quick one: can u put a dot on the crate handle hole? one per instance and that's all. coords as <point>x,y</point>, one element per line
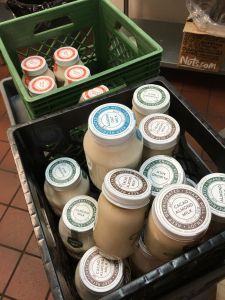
<point>53,24</point>
<point>126,33</point>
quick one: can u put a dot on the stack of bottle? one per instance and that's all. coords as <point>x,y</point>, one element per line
<point>148,211</point>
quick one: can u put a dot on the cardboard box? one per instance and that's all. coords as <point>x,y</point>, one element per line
<point>200,50</point>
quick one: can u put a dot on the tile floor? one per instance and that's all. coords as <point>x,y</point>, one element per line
<point>22,275</point>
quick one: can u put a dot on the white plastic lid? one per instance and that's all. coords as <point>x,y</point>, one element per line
<point>98,274</point>
<point>111,124</point>
<point>66,56</point>
<point>181,213</point>
<point>41,85</point>
<point>159,131</point>
<point>95,92</point>
<point>63,174</point>
<point>212,187</point>
<point>162,170</point>
<point>34,66</point>
<point>151,98</point>
<point>126,188</point>
<point>191,182</point>
<point>76,73</point>
<point>79,214</point>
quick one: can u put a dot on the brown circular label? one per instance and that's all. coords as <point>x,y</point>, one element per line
<point>183,209</point>
<point>99,271</point>
<point>159,128</point>
<point>128,182</point>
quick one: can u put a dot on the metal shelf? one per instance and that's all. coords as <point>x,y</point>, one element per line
<point>169,36</point>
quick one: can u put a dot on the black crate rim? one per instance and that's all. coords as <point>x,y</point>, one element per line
<point>152,277</point>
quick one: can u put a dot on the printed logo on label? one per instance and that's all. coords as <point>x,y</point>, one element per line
<point>139,135</point>
<point>55,67</point>
<point>42,84</point>
<point>74,243</point>
<point>183,209</point>
<point>81,213</point>
<point>27,81</point>
<point>33,63</point>
<point>66,53</point>
<point>99,271</point>
<point>95,92</point>
<point>111,120</point>
<point>128,182</point>
<point>62,171</point>
<point>161,173</point>
<point>76,73</point>
<point>214,191</point>
<point>159,128</point>
<point>151,96</point>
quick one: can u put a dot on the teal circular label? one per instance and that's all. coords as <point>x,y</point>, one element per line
<point>81,213</point>
<point>214,191</point>
<point>151,96</point>
<point>161,173</point>
<point>111,120</point>
<point>62,171</point>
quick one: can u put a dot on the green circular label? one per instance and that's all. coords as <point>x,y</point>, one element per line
<point>161,173</point>
<point>151,96</point>
<point>81,213</point>
<point>62,171</point>
<point>214,191</point>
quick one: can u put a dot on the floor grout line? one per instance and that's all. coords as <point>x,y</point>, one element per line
<point>14,270</point>
<point>12,206</point>
<point>9,171</point>
<point>9,204</point>
<point>18,250</point>
<point>48,293</point>
<point>5,155</point>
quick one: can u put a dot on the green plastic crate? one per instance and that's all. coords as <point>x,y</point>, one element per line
<point>95,32</point>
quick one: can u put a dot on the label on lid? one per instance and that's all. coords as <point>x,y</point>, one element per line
<point>128,182</point>
<point>80,213</point>
<point>101,274</point>
<point>151,95</point>
<point>111,120</point>
<point>162,172</point>
<point>42,84</point>
<point>183,209</point>
<point>62,171</point>
<point>159,128</point>
<point>32,63</point>
<point>95,92</point>
<point>214,191</point>
<point>76,73</point>
<point>66,53</point>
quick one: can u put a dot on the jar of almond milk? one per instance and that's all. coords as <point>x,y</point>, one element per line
<point>75,74</point>
<point>141,261</point>
<point>97,276</point>
<point>64,180</point>
<point>93,93</point>
<point>65,57</point>
<point>179,217</point>
<point>162,170</point>
<point>76,225</point>
<point>41,85</point>
<point>112,141</point>
<point>122,210</point>
<point>161,134</point>
<point>150,99</point>
<point>34,66</point>
<point>212,187</point>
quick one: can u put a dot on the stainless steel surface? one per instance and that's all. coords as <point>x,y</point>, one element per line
<point>126,7</point>
<point>169,36</point>
<point>5,14</point>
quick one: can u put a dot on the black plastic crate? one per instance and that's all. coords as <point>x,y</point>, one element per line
<point>32,148</point>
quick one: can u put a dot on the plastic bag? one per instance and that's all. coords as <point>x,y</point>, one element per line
<point>208,15</point>
<point>26,7</point>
